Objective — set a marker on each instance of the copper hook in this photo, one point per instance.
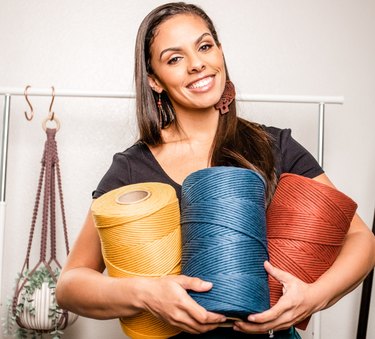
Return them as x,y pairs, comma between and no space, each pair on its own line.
52,114
29,103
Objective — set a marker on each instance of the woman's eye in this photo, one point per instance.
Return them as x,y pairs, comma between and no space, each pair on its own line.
205,47
173,60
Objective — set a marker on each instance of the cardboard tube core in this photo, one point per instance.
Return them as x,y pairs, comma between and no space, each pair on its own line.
133,197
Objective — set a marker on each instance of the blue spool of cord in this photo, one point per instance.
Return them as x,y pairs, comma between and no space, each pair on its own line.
224,240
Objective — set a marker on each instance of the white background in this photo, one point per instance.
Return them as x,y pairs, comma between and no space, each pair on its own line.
271,47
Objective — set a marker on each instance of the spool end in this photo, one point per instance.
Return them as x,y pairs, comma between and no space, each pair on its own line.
133,197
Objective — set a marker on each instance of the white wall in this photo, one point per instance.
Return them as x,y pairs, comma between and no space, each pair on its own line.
272,47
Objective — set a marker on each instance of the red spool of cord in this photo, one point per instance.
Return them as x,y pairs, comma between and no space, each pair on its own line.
307,222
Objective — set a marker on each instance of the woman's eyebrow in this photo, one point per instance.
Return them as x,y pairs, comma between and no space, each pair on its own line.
177,49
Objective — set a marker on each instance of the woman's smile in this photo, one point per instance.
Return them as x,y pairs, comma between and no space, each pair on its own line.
202,85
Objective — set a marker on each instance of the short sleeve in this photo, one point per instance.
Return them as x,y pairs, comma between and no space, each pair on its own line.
295,158
117,176
290,155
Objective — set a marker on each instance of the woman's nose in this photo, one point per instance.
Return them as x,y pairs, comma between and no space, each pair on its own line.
196,64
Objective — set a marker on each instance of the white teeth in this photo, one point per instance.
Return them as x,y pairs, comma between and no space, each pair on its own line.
201,83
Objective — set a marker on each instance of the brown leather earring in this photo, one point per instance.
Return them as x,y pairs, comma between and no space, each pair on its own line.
227,97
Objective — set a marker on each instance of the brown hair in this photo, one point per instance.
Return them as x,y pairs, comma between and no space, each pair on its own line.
237,142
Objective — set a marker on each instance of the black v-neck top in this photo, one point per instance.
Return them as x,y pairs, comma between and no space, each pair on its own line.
137,164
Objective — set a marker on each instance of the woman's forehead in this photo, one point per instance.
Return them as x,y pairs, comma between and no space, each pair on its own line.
178,29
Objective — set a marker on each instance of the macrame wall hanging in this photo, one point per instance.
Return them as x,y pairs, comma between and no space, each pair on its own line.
34,308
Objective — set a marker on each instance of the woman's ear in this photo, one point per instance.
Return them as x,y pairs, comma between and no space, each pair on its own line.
154,84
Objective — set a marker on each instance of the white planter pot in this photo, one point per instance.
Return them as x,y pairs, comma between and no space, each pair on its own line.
42,300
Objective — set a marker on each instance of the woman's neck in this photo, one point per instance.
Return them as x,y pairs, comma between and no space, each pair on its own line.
193,127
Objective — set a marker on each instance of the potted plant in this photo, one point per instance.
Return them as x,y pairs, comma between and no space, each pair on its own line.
34,310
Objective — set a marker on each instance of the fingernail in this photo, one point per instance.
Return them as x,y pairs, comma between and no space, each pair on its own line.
206,284
251,318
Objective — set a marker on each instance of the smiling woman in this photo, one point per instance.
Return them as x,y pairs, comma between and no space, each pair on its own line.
193,72
187,121
180,67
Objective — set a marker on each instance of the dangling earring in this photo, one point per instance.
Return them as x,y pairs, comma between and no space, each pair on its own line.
162,114
226,98
160,108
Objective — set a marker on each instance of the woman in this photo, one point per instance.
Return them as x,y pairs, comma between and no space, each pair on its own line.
187,121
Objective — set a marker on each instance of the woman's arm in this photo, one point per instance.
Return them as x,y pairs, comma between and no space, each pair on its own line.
83,289
355,260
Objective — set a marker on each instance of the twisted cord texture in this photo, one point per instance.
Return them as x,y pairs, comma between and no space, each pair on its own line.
307,222
223,236
141,239
224,241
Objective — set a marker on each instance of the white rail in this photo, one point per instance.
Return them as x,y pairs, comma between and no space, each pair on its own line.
129,95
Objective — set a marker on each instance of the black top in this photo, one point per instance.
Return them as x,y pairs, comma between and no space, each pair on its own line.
137,164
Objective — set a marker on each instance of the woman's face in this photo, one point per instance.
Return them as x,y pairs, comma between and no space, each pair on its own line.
187,63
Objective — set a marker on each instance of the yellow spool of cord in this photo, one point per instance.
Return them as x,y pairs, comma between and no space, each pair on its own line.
139,229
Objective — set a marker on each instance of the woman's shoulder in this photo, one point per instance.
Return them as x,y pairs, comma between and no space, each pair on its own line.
278,135
133,151
124,168
290,155
137,155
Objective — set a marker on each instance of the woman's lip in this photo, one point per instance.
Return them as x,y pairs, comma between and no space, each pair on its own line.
202,83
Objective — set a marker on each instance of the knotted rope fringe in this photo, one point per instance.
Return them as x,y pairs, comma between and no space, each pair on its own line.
224,239
307,222
140,238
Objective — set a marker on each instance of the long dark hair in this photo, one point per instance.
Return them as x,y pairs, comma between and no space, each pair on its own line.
237,142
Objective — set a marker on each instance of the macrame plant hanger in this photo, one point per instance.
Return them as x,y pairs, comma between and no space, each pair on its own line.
56,319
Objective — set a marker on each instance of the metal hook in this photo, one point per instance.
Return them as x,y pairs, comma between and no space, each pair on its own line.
29,118
52,114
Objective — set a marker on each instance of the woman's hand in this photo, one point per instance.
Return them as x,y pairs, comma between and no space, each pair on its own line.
297,303
166,298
